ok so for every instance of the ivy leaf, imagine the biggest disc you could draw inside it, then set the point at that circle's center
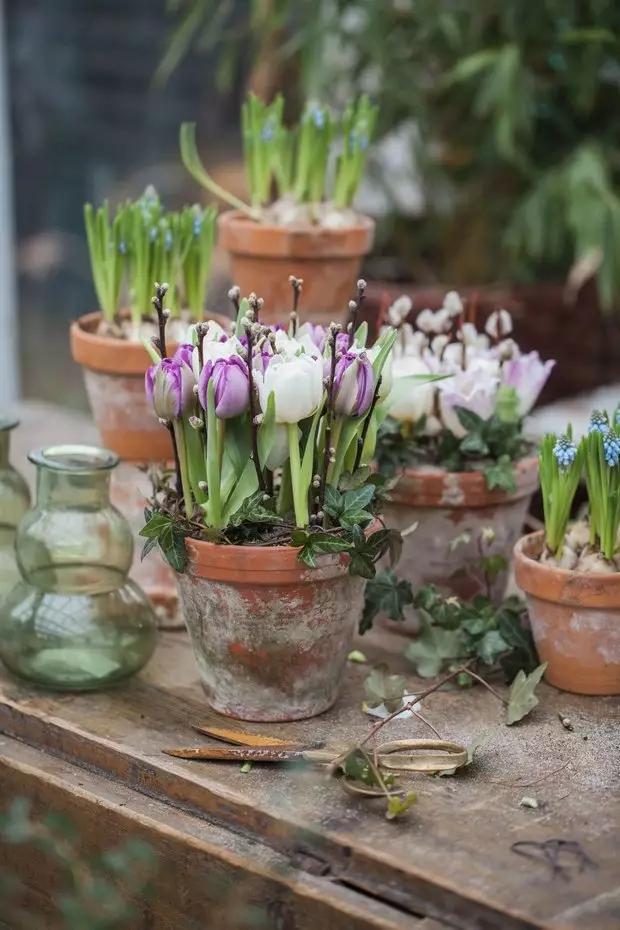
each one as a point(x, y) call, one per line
point(469, 420)
point(382, 688)
point(385, 594)
point(358, 499)
point(253, 510)
point(351, 481)
point(155, 524)
point(351, 518)
point(474, 444)
point(149, 544)
point(334, 501)
point(523, 655)
point(492, 565)
point(316, 544)
point(491, 647)
point(521, 698)
point(362, 566)
point(434, 647)
point(172, 544)
point(501, 476)
point(399, 803)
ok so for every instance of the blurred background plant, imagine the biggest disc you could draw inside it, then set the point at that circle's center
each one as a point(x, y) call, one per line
point(508, 109)
point(93, 893)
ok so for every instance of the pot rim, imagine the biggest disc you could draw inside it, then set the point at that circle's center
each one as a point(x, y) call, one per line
point(233, 217)
point(561, 585)
point(430, 488)
point(260, 565)
point(108, 354)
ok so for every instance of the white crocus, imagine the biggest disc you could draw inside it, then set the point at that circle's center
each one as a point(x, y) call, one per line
point(296, 381)
point(410, 400)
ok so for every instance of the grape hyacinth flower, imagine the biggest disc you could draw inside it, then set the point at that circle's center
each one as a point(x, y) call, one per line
point(230, 386)
point(611, 448)
point(598, 422)
point(565, 451)
point(354, 384)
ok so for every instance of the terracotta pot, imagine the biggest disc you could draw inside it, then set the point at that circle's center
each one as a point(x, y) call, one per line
point(446, 505)
point(129, 489)
point(575, 620)
point(114, 372)
point(270, 635)
point(329, 260)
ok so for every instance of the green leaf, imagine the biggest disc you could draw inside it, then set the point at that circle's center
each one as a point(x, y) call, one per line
point(245, 768)
point(385, 594)
point(267, 431)
point(507, 404)
point(521, 698)
point(253, 510)
point(362, 566)
point(245, 487)
point(350, 482)
point(334, 501)
point(156, 524)
point(493, 565)
point(382, 688)
point(172, 544)
point(474, 443)
point(358, 499)
point(469, 420)
point(317, 544)
point(434, 648)
point(398, 804)
point(358, 657)
point(501, 476)
point(491, 647)
point(149, 544)
point(352, 518)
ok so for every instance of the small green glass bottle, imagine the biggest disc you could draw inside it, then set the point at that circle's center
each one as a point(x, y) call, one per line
point(75, 621)
point(14, 502)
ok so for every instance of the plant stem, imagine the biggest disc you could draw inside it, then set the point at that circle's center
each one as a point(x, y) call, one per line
point(361, 442)
point(253, 425)
point(302, 516)
point(177, 430)
point(329, 412)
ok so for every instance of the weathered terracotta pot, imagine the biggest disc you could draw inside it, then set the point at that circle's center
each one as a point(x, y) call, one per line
point(130, 488)
point(329, 260)
point(447, 505)
point(270, 635)
point(575, 620)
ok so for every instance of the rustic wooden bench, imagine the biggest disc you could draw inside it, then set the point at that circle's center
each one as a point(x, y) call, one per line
point(281, 846)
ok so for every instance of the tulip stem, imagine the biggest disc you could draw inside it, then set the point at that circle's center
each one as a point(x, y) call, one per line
point(300, 495)
point(361, 441)
point(181, 461)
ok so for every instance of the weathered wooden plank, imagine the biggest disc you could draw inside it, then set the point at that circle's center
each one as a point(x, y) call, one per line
point(200, 869)
point(450, 859)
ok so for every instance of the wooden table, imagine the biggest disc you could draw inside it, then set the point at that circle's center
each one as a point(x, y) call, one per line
point(285, 849)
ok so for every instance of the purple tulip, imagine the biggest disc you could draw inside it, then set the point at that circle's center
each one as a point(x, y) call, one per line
point(184, 354)
point(527, 374)
point(231, 389)
point(354, 384)
point(170, 388)
point(262, 357)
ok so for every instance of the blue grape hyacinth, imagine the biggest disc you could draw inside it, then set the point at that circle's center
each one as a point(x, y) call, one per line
point(598, 422)
point(565, 451)
point(611, 448)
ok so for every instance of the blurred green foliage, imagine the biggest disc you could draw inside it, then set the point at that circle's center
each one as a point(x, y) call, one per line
point(515, 102)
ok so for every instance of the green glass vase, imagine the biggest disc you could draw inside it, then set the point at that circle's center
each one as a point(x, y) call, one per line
point(14, 502)
point(75, 621)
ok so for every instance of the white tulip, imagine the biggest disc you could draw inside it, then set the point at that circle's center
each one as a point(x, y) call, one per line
point(296, 381)
point(409, 400)
point(213, 349)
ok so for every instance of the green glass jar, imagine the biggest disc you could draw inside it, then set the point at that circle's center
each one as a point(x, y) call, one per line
point(14, 502)
point(74, 621)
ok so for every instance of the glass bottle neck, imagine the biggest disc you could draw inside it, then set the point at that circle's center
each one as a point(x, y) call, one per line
point(5, 442)
point(67, 490)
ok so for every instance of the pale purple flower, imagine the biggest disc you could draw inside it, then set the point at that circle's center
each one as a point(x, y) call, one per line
point(528, 375)
point(474, 389)
point(184, 354)
point(313, 333)
point(262, 356)
point(231, 391)
point(170, 388)
point(354, 384)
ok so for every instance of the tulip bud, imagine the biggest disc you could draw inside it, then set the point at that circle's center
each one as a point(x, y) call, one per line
point(231, 387)
point(169, 387)
point(354, 384)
